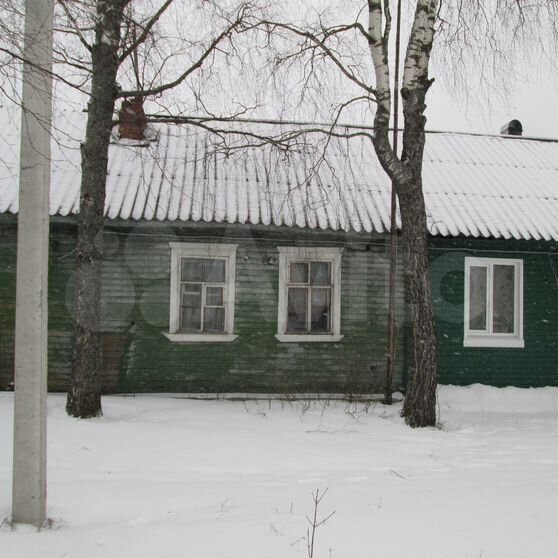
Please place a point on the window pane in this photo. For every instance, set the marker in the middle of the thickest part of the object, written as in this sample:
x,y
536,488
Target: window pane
x,y
191,295
192,269
321,311
298,272
190,319
214,296
320,273
504,290
214,319
296,310
190,310
477,298
214,271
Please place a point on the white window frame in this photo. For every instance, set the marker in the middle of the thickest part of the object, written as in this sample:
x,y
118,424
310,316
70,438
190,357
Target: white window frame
x,y
288,254
181,250
476,338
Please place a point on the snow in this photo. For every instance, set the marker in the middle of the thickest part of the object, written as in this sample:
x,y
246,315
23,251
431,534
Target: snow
x,y
162,476
476,186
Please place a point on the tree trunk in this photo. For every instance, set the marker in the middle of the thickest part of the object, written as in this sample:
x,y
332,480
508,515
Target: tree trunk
x,y
84,397
419,408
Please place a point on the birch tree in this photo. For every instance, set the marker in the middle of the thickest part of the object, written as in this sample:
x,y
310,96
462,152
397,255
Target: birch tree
x,y
336,52
406,174
320,43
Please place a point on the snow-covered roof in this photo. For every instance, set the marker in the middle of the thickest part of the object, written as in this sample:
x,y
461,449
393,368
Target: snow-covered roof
x,y
477,186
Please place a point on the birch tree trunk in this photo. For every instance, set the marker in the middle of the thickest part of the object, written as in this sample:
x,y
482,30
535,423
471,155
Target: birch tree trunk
x,y
419,407
406,173
464,29
84,396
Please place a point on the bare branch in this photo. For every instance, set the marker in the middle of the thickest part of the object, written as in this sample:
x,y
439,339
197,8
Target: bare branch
x,y
146,30
76,27
210,50
55,75
320,43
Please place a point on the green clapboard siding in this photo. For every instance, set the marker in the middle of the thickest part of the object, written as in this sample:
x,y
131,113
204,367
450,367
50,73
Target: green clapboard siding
x,y
7,302
256,362
534,365
62,244
136,282
139,358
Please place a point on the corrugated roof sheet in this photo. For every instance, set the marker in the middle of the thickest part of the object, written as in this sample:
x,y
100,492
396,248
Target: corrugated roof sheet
x,y
479,186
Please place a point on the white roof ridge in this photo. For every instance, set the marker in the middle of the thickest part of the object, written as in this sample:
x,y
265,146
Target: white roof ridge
x,y
488,135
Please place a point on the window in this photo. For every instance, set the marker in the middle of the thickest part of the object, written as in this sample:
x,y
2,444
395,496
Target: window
x,y
309,294
202,292
493,303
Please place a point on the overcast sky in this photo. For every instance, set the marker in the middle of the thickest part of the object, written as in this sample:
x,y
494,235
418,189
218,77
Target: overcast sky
x,y
533,101
478,104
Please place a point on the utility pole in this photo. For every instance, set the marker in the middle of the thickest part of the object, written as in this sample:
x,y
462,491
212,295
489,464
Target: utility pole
x,y
29,466
392,329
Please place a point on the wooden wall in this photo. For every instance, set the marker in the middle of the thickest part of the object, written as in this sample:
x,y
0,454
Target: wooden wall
x,y
534,365
139,358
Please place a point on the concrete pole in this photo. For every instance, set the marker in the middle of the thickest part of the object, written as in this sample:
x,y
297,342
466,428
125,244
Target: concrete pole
x,y
29,467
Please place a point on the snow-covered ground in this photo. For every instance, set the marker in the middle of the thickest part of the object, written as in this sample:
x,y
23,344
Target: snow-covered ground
x,y
160,476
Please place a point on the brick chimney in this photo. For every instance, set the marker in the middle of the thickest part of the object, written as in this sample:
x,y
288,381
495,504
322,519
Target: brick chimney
x,y
512,128
132,121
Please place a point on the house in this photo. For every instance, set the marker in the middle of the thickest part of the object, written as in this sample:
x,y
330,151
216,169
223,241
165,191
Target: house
x,y
235,268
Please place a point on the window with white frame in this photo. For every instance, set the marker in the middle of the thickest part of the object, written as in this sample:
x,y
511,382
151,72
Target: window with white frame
x,y
202,292
493,303
309,294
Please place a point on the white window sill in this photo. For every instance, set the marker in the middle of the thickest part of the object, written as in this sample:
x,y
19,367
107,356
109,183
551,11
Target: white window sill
x,y
493,341
304,338
200,337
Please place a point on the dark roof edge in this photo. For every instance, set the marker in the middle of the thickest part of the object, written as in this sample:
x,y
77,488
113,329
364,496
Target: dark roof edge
x,y
155,118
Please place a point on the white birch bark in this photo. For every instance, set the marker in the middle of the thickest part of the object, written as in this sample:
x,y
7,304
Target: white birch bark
x,y
406,175
417,58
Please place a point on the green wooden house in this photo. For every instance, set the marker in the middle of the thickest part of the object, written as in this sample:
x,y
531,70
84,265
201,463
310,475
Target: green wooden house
x,y
264,269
